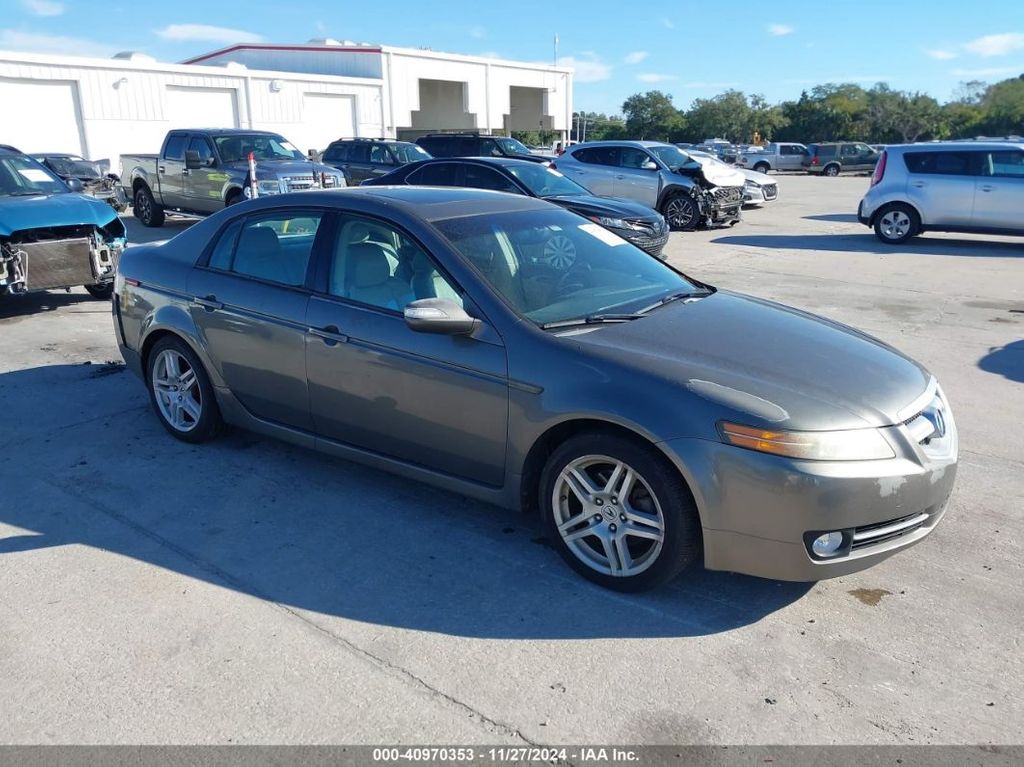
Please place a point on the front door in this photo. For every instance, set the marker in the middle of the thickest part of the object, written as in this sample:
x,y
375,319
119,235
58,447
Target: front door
x,y
250,303
999,195
437,401
635,182
204,186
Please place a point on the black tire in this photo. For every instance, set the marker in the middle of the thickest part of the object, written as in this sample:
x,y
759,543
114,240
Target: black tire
x,y
681,537
234,197
103,292
762,167
209,422
145,208
831,170
681,212
896,223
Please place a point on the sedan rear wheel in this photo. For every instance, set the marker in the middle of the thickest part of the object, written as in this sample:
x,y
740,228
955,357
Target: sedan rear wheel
x,y
619,514
181,392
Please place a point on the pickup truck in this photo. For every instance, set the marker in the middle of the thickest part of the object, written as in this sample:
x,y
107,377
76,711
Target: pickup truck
x,y
775,156
199,172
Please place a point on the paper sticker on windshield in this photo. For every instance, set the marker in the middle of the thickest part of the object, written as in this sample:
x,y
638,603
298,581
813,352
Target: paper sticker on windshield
x,y
289,146
602,234
34,174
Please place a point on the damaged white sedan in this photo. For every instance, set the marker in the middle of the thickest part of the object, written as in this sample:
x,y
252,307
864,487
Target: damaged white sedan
x,y
50,237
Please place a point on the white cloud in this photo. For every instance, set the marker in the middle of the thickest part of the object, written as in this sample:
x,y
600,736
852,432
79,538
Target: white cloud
x,y
14,40
667,23
654,77
941,55
43,7
635,57
780,30
989,71
206,33
477,32
996,45
490,55
589,69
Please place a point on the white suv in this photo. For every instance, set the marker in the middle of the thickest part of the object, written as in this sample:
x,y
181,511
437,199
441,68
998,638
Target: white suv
x,y
967,186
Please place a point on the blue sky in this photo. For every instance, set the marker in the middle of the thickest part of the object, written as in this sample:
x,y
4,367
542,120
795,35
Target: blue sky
x,y
689,49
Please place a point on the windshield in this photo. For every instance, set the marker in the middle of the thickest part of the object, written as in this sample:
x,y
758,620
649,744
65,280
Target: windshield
x,y
512,146
70,166
407,153
553,266
545,182
22,176
236,147
674,157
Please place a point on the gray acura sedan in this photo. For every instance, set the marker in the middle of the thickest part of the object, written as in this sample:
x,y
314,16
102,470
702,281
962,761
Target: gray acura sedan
x,y
651,419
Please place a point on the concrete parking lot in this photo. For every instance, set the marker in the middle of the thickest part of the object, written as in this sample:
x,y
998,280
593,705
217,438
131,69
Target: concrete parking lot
x,y
250,592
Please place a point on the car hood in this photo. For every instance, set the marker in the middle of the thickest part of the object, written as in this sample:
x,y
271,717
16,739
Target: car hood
x,y
283,167
719,173
770,364
589,205
758,178
45,210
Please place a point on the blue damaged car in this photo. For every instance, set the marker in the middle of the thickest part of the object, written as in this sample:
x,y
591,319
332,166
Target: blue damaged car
x,y
52,237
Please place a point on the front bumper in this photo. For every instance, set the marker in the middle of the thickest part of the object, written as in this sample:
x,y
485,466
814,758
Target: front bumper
x,y
759,512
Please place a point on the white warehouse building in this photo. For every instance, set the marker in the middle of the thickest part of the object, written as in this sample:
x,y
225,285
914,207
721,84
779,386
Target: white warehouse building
x,y
311,94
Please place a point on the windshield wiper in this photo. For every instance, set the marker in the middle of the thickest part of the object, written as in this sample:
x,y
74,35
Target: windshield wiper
x,y
590,319
26,194
680,296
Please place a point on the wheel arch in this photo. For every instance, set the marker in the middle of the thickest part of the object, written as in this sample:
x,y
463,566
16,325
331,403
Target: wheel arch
x,y
173,322
889,203
672,190
555,435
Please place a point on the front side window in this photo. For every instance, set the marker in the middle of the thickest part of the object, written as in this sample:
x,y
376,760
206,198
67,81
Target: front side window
x,y
407,153
513,146
544,181
377,265
849,150
202,146
522,256
435,174
379,155
635,158
489,148
275,248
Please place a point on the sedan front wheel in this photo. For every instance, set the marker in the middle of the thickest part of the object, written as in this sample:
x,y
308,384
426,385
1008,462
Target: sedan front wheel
x,y
618,512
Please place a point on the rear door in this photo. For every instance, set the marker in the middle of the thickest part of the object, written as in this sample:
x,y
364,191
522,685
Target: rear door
x,y
249,303
358,165
204,186
999,197
635,182
941,185
594,168
170,168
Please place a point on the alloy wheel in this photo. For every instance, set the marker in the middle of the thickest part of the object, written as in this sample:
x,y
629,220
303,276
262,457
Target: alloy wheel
x,y
177,391
895,225
679,212
142,205
608,516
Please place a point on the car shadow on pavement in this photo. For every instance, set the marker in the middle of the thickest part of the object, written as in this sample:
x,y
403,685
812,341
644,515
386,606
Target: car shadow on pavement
x,y
839,218
46,301
292,526
868,243
1007,361
142,235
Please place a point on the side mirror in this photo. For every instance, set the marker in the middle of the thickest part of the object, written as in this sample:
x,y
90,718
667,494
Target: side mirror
x,y
192,161
649,165
74,184
439,315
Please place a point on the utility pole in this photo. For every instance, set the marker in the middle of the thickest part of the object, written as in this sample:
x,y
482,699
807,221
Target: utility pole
x,y
554,61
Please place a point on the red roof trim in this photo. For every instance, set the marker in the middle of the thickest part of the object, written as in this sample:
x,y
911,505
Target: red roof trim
x,y
261,47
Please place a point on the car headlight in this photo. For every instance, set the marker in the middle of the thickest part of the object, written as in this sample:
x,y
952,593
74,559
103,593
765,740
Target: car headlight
x,y
614,223
751,185
847,445
265,186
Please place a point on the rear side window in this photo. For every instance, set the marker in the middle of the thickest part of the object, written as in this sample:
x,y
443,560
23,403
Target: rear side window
x,y
275,247
1008,164
336,153
479,177
942,163
175,149
598,155
824,151
435,174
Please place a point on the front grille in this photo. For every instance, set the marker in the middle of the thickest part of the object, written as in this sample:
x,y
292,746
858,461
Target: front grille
x,y
726,195
882,532
652,245
298,183
771,191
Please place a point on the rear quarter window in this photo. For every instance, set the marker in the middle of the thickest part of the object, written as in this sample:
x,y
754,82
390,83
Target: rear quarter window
x,y
942,163
336,153
825,151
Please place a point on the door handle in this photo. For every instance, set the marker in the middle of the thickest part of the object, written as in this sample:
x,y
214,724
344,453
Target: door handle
x,y
987,188
330,335
210,303
918,184
161,168
185,172
620,177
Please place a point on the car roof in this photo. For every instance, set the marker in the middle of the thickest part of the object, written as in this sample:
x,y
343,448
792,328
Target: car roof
x,y
639,144
225,131
429,203
378,140
952,146
503,161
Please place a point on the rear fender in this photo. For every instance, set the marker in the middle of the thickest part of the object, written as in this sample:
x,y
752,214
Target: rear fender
x,y
176,319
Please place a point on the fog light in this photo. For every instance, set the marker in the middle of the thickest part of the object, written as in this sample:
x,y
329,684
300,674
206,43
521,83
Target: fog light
x,y
826,545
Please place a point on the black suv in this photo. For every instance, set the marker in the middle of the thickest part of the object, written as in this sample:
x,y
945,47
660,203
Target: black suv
x,y
475,145
363,158
833,158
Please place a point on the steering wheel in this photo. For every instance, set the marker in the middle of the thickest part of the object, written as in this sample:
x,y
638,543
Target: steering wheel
x,y
575,278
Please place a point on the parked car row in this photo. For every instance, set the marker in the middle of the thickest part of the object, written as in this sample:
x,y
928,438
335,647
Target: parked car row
x,y
827,158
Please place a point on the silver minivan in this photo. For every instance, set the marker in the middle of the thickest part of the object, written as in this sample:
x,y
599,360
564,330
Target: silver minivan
x,y
966,186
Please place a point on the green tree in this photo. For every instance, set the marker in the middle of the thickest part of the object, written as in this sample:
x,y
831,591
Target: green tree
x,y
651,115
1003,106
726,115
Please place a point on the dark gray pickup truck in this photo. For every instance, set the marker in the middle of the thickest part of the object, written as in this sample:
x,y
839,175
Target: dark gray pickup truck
x,y
199,171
